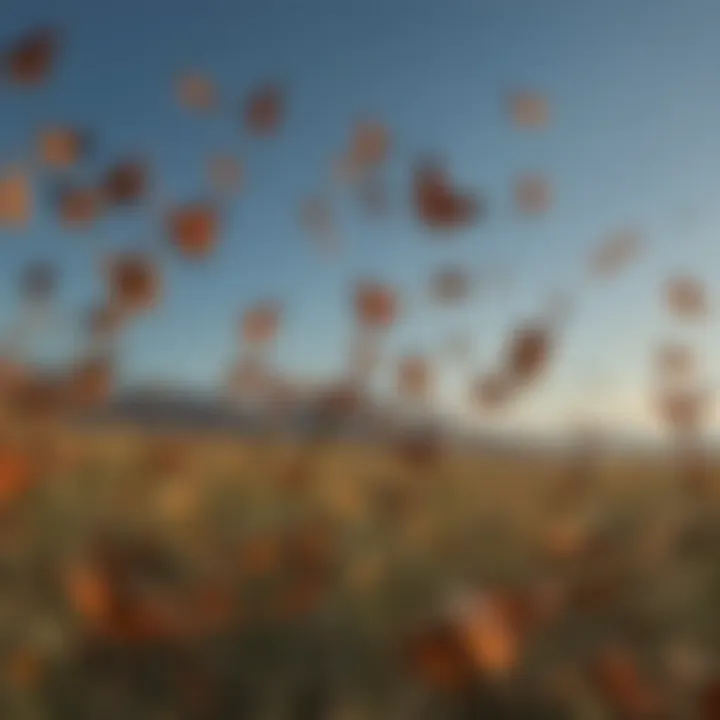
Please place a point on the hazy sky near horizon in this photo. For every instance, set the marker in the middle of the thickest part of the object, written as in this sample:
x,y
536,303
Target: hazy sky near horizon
x,y
634,142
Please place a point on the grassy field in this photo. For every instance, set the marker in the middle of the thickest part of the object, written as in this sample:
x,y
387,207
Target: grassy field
x,y
190,577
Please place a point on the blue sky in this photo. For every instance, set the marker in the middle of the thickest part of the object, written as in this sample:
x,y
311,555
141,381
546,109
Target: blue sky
x,y
634,141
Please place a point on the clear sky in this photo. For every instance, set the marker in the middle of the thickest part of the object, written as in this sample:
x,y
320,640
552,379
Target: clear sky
x,y
635,140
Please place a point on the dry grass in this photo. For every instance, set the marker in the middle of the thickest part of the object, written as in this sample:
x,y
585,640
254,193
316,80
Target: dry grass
x,y
315,565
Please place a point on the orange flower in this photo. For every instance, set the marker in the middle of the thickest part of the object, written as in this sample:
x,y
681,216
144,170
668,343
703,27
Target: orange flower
x,y
260,324
194,229
533,195
439,205
438,658
196,92
79,207
89,594
126,183
264,110
16,198
16,475
368,148
618,679
125,594
61,147
134,281
376,305
489,634
31,59
529,109
528,352
686,297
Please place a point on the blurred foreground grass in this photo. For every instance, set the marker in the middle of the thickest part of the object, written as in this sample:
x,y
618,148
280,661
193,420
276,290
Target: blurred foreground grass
x,y
182,576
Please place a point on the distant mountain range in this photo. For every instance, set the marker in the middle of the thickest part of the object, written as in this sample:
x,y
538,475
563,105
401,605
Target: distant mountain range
x,y
183,410
307,414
